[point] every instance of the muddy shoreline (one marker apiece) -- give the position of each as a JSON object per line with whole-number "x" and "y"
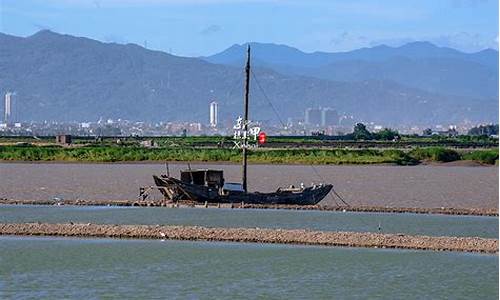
{"x": 371, "y": 209}
{"x": 255, "y": 235}
{"x": 459, "y": 163}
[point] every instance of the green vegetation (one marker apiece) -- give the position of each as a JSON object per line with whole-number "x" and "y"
{"x": 440, "y": 154}
{"x": 335, "y": 156}
{"x": 274, "y": 156}
{"x": 483, "y": 156}
{"x": 113, "y": 154}
{"x": 365, "y": 147}
{"x": 435, "y": 154}
{"x": 363, "y": 138}
{"x": 386, "y": 134}
{"x": 361, "y": 133}
{"x": 484, "y": 130}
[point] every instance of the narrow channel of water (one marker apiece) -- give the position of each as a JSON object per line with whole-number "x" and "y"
{"x": 416, "y": 224}
{"x": 58, "y": 268}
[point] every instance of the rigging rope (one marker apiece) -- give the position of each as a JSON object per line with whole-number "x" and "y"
{"x": 283, "y": 124}
{"x": 333, "y": 190}
{"x": 267, "y": 99}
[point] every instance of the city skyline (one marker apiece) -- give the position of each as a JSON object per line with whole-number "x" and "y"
{"x": 135, "y": 83}
{"x": 233, "y": 149}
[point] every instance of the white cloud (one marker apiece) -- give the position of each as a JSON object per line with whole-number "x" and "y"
{"x": 211, "y": 29}
{"x": 113, "y": 38}
{"x": 347, "y": 40}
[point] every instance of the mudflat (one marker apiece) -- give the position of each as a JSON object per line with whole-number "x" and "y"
{"x": 425, "y": 186}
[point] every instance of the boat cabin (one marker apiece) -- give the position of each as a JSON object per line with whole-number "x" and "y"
{"x": 210, "y": 178}
{"x": 204, "y": 177}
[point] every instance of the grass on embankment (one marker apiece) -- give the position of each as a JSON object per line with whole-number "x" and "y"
{"x": 484, "y": 156}
{"x": 278, "y": 156}
{"x": 440, "y": 154}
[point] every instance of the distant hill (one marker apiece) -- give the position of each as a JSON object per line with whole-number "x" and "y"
{"x": 61, "y": 78}
{"x": 419, "y": 64}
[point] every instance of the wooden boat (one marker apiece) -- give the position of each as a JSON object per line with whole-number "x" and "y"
{"x": 208, "y": 185}
{"x": 205, "y": 189}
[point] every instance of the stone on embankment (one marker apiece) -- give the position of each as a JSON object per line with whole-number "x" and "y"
{"x": 294, "y": 236}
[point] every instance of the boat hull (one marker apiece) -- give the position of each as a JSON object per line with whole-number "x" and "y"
{"x": 175, "y": 189}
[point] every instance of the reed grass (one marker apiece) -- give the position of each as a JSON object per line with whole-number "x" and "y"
{"x": 274, "y": 156}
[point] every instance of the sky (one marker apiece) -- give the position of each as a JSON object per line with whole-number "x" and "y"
{"x": 205, "y": 27}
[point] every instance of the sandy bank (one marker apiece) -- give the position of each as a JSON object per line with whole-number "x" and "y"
{"x": 256, "y": 235}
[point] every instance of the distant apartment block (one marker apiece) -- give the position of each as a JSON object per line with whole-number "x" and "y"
{"x": 321, "y": 117}
{"x": 214, "y": 114}
{"x": 329, "y": 117}
{"x": 64, "y": 139}
{"x": 8, "y": 108}
{"x": 313, "y": 116}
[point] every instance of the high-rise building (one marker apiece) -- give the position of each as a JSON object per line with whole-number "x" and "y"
{"x": 329, "y": 117}
{"x": 313, "y": 116}
{"x": 321, "y": 117}
{"x": 8, "y": 107}
{"x": 214, "y": 114}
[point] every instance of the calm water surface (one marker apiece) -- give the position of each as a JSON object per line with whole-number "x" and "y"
{"x": 52, "y": 268}
{"x": 435, "y": 225}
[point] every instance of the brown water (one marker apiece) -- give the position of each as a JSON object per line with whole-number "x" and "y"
{"x": 412, "y": 186}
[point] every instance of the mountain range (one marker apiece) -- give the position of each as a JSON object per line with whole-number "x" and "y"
{"x": 65, "y": 78}
{"x": 418, "y": 64}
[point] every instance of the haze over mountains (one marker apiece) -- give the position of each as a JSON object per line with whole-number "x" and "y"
{"x": 419, "y": 64}
{"x": 64, "y": 78}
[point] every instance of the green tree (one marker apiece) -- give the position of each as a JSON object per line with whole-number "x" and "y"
{"x": 427, "y": 132}
{"x": 361, "y": 133}
{"x": 486, "y": 130}
{"x": 386, "y": 134}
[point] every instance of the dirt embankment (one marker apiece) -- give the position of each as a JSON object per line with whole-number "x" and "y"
{"x": 256, "y": 235}
{"x": 148, "y": 203}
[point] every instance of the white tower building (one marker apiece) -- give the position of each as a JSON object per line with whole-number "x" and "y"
{"x": 8, "y": 107}
{"x": 214, "y": 114}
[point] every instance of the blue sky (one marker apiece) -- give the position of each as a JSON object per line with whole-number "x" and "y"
{"x": 204, "y": 27}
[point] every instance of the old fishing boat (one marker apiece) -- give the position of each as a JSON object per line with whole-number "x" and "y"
{"x": 207, "y": 185}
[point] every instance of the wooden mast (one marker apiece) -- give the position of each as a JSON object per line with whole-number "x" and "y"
{"x": 245, "y": 120}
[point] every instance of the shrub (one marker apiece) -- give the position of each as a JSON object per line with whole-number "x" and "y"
{"x": 435, "y": 154}
{"x": 484, "y": 156}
